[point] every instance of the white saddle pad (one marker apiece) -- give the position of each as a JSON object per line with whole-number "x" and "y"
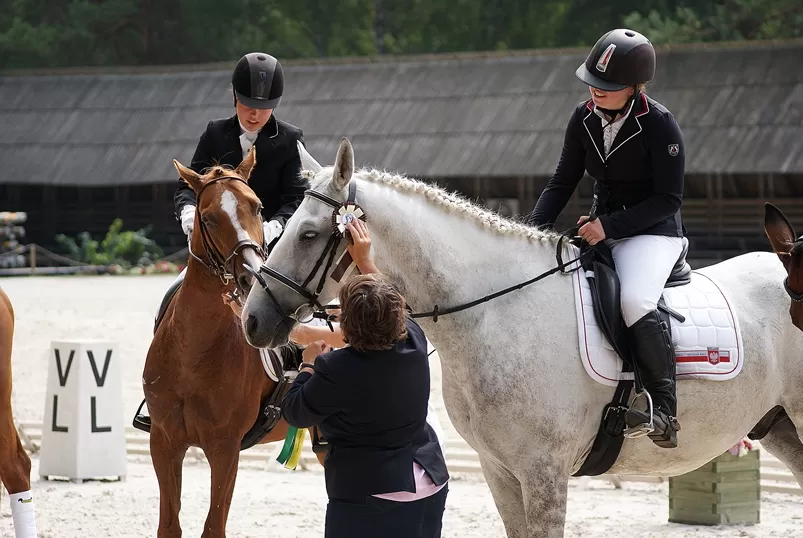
{"x": 708, "y": 344}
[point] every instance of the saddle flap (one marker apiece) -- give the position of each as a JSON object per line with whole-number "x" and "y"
{"x": 605, "y": 288}
{"x": 600, "y": 272}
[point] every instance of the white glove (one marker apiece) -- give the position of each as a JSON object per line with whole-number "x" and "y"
{"x": 188, "y": 219}
{"x": 272, "y": 230}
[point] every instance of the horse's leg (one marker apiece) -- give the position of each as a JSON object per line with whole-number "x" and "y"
{"x": 545, "y": 485}
{"x": 784, "y": 442}
{"x": 15, "y": 473}
{"x": 15, "y": 465}
{"x": 167, "y": 455}
{"x": 507, "y": 495}
{"x": 223, "y": 458}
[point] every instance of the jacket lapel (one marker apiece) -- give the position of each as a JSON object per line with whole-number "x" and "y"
{"x": 265, "y": 141}
{"x": 594, "y": 129}
{"x": 631, "y": 126}
{"x": 232, "y": 152}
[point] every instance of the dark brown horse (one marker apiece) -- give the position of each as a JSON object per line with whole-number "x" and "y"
{"x": 205, "y": 386}
{"x": 781, "y": 235}
{"x": 15, "y": 465}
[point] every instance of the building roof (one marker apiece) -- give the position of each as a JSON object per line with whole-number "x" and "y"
{"x": 496, "y": 114}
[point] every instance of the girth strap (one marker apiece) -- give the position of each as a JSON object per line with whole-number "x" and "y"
{"x": 609, "y": 439}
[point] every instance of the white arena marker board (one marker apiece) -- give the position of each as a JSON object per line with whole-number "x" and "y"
{"x": 83, "y": 435}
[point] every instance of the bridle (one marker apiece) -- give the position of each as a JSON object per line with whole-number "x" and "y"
{"x": 349, "y": 210}
{"x": 344, "y": 212}
{"x": 219, "y": 265}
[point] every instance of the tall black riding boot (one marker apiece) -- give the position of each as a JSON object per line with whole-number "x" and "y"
{"x": 655, "y": 361}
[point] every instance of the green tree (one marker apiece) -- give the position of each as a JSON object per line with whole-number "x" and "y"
{"x": 732, "y": 20}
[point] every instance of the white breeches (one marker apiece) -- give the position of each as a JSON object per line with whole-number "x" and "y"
{"x": 643, "y": 263}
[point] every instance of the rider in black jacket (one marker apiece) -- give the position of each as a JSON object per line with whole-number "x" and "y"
{"x": 258, "y": 85}
{"x": 633, "y": 148}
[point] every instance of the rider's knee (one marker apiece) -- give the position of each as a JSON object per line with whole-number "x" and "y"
{"x": 635, "y": 306}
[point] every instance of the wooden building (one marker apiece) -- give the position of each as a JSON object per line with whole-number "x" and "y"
{"x": 81, "y": 147}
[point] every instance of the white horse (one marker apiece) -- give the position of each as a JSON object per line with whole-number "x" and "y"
{"x": 514, "y": 384}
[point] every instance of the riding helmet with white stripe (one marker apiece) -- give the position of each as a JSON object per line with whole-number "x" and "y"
{"x": 619, "y": 59}
{"x": 258, "y": 81}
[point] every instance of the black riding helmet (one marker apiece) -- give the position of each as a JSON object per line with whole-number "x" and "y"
{"x": 620, "y": 58}
{"x": 258, "y": 81}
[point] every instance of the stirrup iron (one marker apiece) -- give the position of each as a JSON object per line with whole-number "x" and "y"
{"x": 645, "y": 428}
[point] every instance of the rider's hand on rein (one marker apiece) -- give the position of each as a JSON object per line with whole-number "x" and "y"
{"x": 591, "y": 230}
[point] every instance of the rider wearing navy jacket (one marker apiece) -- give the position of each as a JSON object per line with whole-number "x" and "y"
{"x": 633, "y": 148}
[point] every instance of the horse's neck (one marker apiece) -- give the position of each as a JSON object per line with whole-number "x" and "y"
{"x": 200, "y": 306}
{"x": 442, "y": 258}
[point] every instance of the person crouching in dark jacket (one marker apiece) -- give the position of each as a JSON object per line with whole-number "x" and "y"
{"x": 385, "y": 473}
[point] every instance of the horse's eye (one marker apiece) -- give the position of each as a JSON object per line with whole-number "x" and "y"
{"x": 309, "y": 235}
{"x": 258, "y": 209}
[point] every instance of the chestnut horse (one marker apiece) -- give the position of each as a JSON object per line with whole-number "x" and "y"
{"x": 204, "y": 385}
{"x": 15, "y": 465}
{"x": 781, "y": 235}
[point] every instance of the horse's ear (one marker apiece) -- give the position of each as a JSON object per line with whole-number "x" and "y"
{"x": 308, "y": 162}
{"x": 189, "y": 176}
{"x": 344, "y": 165}
{"x": 245, "y": 168}
{"x": 779, "y": 232}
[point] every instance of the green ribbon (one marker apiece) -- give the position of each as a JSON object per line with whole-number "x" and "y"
{"x": 287, "y": 448}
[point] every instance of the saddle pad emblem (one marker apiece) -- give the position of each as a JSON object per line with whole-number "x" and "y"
{"x": 713, "y": 355}
{"x": 674, "y": 149}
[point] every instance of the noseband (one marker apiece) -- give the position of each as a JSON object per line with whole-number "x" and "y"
{"x": 218, "y": 264}
{"x": 344, "y": 212}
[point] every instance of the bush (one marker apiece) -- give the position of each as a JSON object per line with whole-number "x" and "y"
{"x": 125, "y": 248}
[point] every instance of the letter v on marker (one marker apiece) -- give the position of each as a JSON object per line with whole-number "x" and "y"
{"x": 63, "y": 373}
{"x": 100, "y": 378}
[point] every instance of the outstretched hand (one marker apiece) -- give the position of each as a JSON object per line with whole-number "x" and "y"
{"x": 234, "y": 305}
{"x": 360, "y": 246}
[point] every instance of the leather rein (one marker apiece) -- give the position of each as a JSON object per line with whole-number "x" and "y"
{"x": 313, "y": 309}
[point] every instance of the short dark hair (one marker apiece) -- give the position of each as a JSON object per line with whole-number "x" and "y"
{"x": 373, "y": 314}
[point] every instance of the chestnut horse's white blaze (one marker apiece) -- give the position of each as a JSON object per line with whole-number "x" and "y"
{"x": 228, "y": 202}
{"x": 513, "y": 382}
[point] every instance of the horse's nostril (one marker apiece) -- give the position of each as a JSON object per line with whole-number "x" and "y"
{"x": 251, "y": 324}
{"x": 245, "y": 283}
